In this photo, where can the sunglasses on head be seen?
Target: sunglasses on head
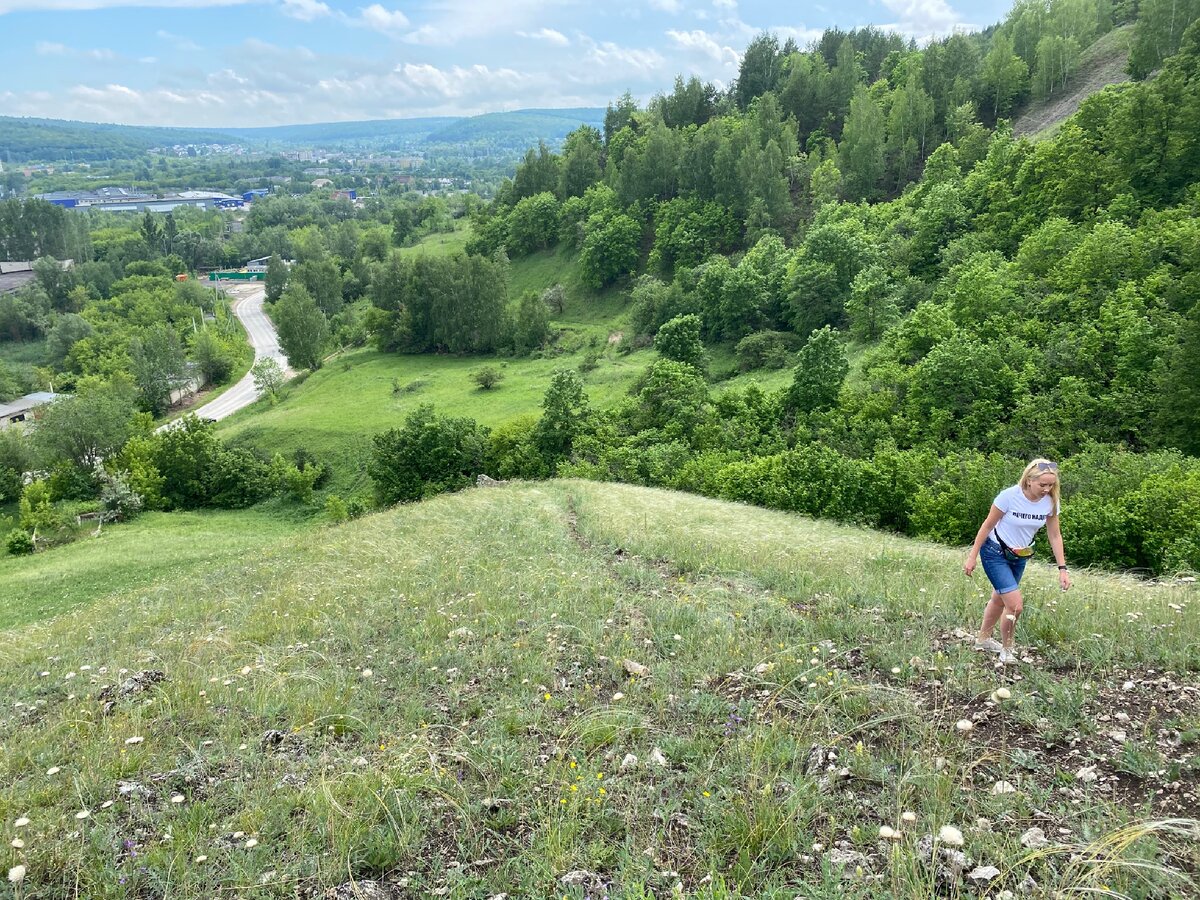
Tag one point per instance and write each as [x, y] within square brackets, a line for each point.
[1047, 467]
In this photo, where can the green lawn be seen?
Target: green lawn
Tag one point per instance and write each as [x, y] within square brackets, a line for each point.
[334, 412]
[155, 547]
[570, 689]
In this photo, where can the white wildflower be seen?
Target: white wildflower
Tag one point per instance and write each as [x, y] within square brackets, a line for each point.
[16, 874]
[964, 725]
[950, 836]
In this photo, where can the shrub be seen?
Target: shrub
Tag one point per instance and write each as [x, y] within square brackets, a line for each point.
[487, 377]
[429, 455]
[19, 542]
[766, 350]
[335, 508]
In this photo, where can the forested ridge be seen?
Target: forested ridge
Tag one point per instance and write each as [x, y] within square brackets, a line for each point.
[951, 301]
[1003, 298]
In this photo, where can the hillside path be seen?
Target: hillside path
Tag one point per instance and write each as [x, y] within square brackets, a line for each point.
[247, 305]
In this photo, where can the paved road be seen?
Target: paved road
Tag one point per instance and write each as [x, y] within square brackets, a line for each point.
[248, 307]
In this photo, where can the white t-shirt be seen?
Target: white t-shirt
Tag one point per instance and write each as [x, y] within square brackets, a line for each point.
[1022, 519]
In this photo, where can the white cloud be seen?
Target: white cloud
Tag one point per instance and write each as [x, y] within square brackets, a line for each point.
[305, 10]
[703, 42]
[611, 57]
[178, 41]
[670, 6]
[725, 4]
[549, 35]
[379, 18]
[461, 20]
[50, 48]
[7, 6]
[923, 18]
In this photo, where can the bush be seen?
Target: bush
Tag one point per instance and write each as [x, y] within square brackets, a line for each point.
[487, 377]
[335, 509]
[766, 350]
[19, 542]
[429, 455]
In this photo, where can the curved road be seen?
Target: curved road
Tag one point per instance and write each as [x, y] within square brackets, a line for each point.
[247, 305]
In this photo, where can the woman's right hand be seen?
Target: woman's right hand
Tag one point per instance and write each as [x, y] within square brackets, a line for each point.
[969, 564]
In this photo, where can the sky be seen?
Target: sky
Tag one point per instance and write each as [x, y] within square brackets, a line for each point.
[226, 63]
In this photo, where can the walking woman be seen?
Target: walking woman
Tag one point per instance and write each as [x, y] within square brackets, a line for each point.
[1004, 545]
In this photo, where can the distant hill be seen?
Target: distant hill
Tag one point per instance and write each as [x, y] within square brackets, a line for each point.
[522, 128]
[1101, 64]
[25, 139]
[49, 140]
[401, 132]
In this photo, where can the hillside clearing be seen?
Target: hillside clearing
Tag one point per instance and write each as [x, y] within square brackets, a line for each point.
[564, 689]
[1100, 65]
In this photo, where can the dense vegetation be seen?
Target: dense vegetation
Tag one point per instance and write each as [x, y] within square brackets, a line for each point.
[951, 300]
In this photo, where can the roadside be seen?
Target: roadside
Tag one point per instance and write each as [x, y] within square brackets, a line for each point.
[247, 304]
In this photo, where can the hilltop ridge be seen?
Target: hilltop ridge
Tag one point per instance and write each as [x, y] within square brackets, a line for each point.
[543, 688]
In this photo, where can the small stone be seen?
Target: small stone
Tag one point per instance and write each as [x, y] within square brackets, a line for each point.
[1003, 693]
[1003, 787]
[1034, 839]
[136, 739]
[657, 757]
[617, 696]
[630, 761]
[636, 668]
[983, 874]
[964, 725]
[21, 822]
[1087, 774]
[252, 843]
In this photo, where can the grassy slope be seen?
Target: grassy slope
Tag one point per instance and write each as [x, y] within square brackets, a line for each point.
[435, 697]
[334, 412]
[1101, 64]
[154, 547]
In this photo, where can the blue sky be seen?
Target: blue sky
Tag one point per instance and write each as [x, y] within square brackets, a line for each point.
[276, 62]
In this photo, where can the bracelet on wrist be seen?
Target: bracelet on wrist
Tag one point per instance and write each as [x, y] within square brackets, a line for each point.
[1062, 568]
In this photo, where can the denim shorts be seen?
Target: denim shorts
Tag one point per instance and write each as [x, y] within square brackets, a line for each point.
[1004, 575]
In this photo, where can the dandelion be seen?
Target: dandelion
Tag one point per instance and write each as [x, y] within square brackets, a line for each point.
[18, 844]
[908, 817]
[546, 696]
[16, 874]
[950, 836]
[1003, 693]
[367, 673]
[886, 832]
[707, 794]
[964, 725]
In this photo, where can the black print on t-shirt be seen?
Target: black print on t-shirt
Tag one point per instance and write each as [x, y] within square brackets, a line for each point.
[1021, 515]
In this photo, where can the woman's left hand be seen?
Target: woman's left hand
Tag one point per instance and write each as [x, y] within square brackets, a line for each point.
[1064, 579]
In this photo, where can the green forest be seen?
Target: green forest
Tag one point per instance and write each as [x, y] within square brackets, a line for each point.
[951, 300]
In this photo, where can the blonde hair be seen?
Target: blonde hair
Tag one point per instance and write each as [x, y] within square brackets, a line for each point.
[1037, 468]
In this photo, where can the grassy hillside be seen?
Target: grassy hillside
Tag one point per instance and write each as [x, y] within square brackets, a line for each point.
[154, 547]
[571, 689]
[1101, 64]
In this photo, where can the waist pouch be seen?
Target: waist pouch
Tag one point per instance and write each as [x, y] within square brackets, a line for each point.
[1012, 554]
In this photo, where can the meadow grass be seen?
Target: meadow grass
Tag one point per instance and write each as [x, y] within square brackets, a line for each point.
[124, 557]
[570, 689]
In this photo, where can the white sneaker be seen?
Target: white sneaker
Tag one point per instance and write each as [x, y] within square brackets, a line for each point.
[989, 644]
[1007, 657]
